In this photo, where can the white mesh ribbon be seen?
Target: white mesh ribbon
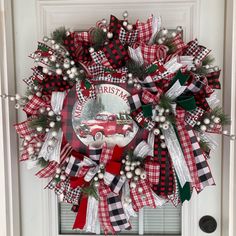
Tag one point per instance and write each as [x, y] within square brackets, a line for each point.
[91, 215]
[136, 55]
[48, 151]
[177, 156]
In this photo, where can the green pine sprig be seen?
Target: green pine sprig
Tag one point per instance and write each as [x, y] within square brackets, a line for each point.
[136, 69]
[59, 35]
[98, 38]
[42, 162]
[204, 145]
[91, 191]
[218, 112]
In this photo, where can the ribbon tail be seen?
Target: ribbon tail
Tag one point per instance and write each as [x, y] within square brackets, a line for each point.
[91, 215]
[177, 156]
[81, 215]
[117, 216]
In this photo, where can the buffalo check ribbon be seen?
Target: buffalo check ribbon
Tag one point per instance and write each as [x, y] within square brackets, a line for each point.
[118, 218]
[166, 178]
[186, 145]
[203, 170]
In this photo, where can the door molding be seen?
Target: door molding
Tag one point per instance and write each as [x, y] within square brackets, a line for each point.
[229, 148]
[9, 180]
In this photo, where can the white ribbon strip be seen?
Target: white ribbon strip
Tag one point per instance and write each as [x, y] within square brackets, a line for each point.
[176, 155]
[136, 55]
[156, 26]
[176, 90]
[172, 65]
[187, 61]
[158, 200]
[91, 215]
[128, 208]
[52, 152]
[142, 150]
[57, 100]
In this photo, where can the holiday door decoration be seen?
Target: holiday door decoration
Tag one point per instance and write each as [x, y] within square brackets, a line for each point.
[120, 117]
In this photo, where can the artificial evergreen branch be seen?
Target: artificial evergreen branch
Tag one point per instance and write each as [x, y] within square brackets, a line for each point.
[59, 35]
[91, 191]
[208, 60]
[136, 69]
[205, 146]
[218, 112]
[98, 38]
[42, 162]
[169, 43]
[165, 102]
[41, 120]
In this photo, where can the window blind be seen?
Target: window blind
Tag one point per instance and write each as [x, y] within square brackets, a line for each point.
[159, 221]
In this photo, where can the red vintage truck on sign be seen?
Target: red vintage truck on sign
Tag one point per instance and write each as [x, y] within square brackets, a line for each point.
[106, 124]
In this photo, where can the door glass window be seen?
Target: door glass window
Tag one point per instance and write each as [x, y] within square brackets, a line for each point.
[159, 221]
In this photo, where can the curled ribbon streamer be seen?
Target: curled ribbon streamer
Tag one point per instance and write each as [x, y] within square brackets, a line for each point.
[177, 156]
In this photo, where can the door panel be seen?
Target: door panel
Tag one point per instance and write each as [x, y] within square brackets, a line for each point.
[34, 18]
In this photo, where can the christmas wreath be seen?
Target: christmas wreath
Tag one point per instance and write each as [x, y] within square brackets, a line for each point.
[120, 117]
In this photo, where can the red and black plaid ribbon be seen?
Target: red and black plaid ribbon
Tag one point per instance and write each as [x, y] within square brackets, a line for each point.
[166, 182]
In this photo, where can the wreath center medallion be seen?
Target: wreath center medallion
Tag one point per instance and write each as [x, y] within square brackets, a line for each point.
[106, 118]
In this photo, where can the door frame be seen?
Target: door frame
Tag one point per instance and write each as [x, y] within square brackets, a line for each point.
[9, 184]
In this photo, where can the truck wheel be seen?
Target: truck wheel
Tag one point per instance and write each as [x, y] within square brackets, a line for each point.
[98, 136]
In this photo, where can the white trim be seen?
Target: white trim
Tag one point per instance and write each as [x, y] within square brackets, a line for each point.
[9, 182]
[229, 163]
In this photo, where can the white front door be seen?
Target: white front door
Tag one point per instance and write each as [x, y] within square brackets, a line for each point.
[203, 19]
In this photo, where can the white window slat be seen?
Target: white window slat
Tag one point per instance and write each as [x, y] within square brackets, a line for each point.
[160, 221]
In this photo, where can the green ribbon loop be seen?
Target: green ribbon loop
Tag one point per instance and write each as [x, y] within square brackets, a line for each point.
[87, 84]
[186, 102]
[185, 193]
[181, 77]
[151, 69]
[147, 110]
